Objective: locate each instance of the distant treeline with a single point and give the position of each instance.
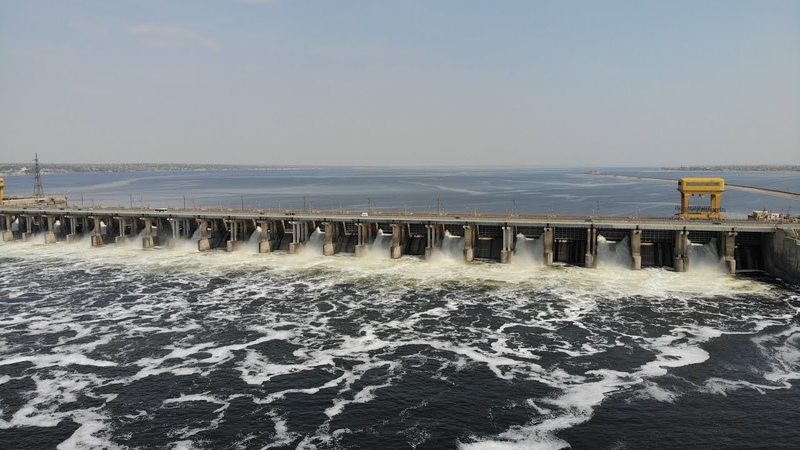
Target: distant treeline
(759, 168)
(28, 168)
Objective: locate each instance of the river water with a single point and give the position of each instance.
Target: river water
(120, 347)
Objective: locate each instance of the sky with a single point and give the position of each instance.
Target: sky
(401, 83)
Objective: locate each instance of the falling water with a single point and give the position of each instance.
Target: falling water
(705, 256)
(528, 252)
(380, 247)
(613, 254)
(452, 247)
(313, 245)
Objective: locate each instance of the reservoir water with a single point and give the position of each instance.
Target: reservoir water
(120, 347)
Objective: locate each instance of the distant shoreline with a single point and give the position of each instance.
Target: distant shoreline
(760, 168)
(16, 169)
(739, 187)
(12, 169)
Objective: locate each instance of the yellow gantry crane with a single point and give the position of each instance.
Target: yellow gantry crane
(713, 187)
(2, 185)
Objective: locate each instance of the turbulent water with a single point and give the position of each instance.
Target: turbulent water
(120, 347)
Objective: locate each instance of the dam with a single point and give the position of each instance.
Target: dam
(573, 240)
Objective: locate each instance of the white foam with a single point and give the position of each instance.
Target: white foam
(651, 390)
(677, 350)
(279, 395)
(782, 350)
(611, 282)
(581, 394)
(60, 360)
(282, 437)
(89, 434)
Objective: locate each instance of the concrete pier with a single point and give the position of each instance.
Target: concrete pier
(122, 237)
(433, 239)
(681, 261)
(265, 245)
(366, 236)
(729, 248)
(122, 223)
(203, 244)
(73, 235)
(27, 235)
(331, 237)
(299, 236)
(509, 238)
(590, 259)
(470, 235)
(50, 234)
(8, 234)
(147, 240)
(97, 236)
(548, 238)
(233, 228)
(398, 234)
(636, 249)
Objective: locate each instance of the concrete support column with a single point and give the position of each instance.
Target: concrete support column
(729, 247)
(433, 240)
(298, 237)
(328, 248)
(363, 238)
(27, 235)
(397, 240)
(97, 237)
(470, 232)
(233, 243)
(122, 237)
(8, 234)
(549, 239)
(681, 261)
(366, 236)
(73, 230)
(591, 248)
(636, 249)
(428, 240)
(264, 245)
(147, 240)
(50, 236)
(508, 245)
(203, 244)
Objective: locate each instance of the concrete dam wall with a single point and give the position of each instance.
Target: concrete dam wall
(581, 241)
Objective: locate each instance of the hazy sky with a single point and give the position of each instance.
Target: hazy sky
(598, 83)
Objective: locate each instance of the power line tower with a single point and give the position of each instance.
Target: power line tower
(38, 190)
